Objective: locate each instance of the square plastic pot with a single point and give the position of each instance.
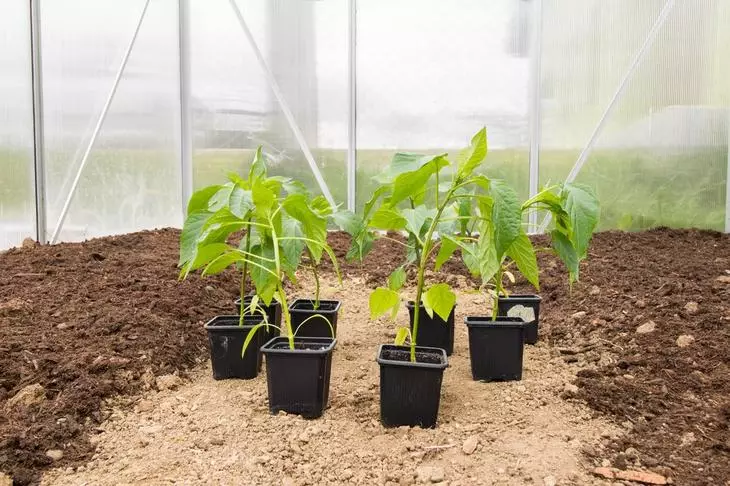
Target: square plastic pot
(226, 339)
(299, 379)
(530, 312)
(410, 393)
(316, 319)
(273, 315)
(433, 331)
(496, 347)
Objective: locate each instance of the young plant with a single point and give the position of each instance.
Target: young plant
(280, 221)
(502, 241)
(419, 196)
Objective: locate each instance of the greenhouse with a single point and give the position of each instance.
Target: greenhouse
(396, 242)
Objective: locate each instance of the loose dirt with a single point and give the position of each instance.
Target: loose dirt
(93, 323)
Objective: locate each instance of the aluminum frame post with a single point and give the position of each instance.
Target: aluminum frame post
(352, 107)
(535, 111)
(97, 127)
(39, 165)
(648, 42)
(186, 138)
(283, 105)
(727, 177)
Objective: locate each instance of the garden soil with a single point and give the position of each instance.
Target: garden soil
(631, 372)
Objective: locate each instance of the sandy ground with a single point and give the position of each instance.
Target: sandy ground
(208, 432)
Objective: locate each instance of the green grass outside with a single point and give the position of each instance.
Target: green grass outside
(637, 189)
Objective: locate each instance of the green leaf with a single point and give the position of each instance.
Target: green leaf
(379, 192)
(240, 201)
(388, 219)
(199, 200)
(567, 254)
(410, 184)
(347, 221)
(523, 254)
(192, 229)
(397, 279)
(439, 299)
(447, 248)
(470, 158)
(470, 258)
(258, 166)
(582, 206)
(207, 253)
(221, 198)
(415, 218)
(489, 262)
(263, 199)
(291, 253)
(314, 226)
(383, 300)
(506, 216)
(401, 335)
(464, 212)
(252, 333)
(360, 246)
(221, 262)
(263, 280)
(321, 206)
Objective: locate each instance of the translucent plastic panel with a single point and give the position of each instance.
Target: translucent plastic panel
(431, 73)
(661, 159)
(304, 44)
(17, 199)
(132, 179)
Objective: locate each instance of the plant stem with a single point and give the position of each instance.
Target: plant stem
(280, 287)
(425, 252)
(497, 292)
(245, 275)
(316, 286)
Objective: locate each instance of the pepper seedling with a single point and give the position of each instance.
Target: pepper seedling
(421, 195)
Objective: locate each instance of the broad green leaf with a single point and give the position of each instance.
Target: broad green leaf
(221, 262)
(221, 198)
(401, 335)
(192, 229)
(397, 279)
(321, 206)
(471, 157)
(293, 186)
(263, 199)
(383, 300)
(464, 212)
(567, 254)
(240, 201)
(379, 192)
(447, 248)
(264, 281)
(506, 216)
(486, 253)
(258, 166)
(439, 299)
(410, 184)
(469, 257)
(523, 254)
(360, 246)
(208, 253)
(582, 206)
(313, 225)
(347, 221)
(415, 218)
(200, 199)
(388, 219)
(291, 253)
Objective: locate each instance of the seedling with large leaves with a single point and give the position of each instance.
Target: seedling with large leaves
(502, 241)
(421, 195)
(280, 220)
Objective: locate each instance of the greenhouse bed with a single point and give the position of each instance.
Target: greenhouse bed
(100, 319)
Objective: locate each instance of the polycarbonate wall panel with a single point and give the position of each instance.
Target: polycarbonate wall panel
(431, 73)
(132, 178)
(17, 199)
(304, 44)
(662, 156)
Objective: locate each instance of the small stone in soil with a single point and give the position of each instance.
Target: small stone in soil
(470, 445)
(168, 382)
(646, 328)
(578, 315)
(685, 340)
(692, 308)
(55, 454)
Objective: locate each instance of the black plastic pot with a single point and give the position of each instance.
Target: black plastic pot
(273, 314)
(299, 379)
(226, 339)
(433, 332)
(316, 326)
(410, 392)
(531, 302)
(495, 347)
